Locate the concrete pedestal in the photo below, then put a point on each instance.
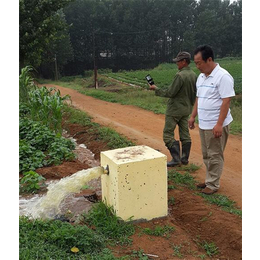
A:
(136, 186)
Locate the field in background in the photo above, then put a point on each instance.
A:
(163, 74)
(130, 87)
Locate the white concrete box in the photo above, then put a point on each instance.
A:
(136, 185)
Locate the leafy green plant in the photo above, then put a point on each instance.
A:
(163, 231)
(210, 248)
(31, 182)
(25, 83)
(38, 135)
(60, 149)
(29, 157)
(46, 106)
(40, 146)
(177, 250)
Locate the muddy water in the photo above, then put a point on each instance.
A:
(49, 206)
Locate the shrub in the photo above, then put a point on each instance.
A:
(40, 146)
(31, 182)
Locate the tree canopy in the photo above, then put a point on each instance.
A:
(129, 34)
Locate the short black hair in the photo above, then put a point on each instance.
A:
(206, 52)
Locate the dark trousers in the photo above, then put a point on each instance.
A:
(170, 124)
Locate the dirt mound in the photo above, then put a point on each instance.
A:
(62, 170)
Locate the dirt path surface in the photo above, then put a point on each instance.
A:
(145, 128)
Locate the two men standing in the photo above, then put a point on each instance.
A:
(215, 87)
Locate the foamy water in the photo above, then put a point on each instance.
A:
(48, 206)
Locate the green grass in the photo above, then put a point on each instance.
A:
(222, 201)
(44, 239)
(108, 224)
(210, 248)
(184, 180)
(162, 231)
(163, 74)
(111, 137)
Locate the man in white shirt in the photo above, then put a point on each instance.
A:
(215, 87)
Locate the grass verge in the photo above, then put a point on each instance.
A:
(185, 179)
(87, 239)
(111, 137)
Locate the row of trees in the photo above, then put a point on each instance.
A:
(129, 34)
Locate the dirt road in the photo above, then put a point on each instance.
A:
(145, 128)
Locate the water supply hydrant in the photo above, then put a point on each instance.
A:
(106, 170)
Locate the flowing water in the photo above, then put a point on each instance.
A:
(48, 206)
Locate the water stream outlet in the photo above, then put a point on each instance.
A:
(135, 183)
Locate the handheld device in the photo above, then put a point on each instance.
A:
(149, 79)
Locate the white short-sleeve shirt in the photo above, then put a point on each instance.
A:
(210, 91)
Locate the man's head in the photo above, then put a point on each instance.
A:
(204, 59)
(182, 60)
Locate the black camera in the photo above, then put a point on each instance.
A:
(149, 79)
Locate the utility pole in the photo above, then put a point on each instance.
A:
(56, 69)
(95, 66)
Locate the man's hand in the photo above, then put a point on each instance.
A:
(217, 130)
(152, 87)
(191, 122)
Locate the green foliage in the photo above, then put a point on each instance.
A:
(139, 254)
(182, 179)
(44, 238)
(108, 224)
(177, 250)
(131, 40)
(113, 139)
(171, 200)
(40, 146)
(163, 74)
(46, 106)
(210, 248)
(162, 231)
(31, 182)
(59, 150)
(188, 168)
(25, 83)
(222, 201)
(29, 157)
(40, 26)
